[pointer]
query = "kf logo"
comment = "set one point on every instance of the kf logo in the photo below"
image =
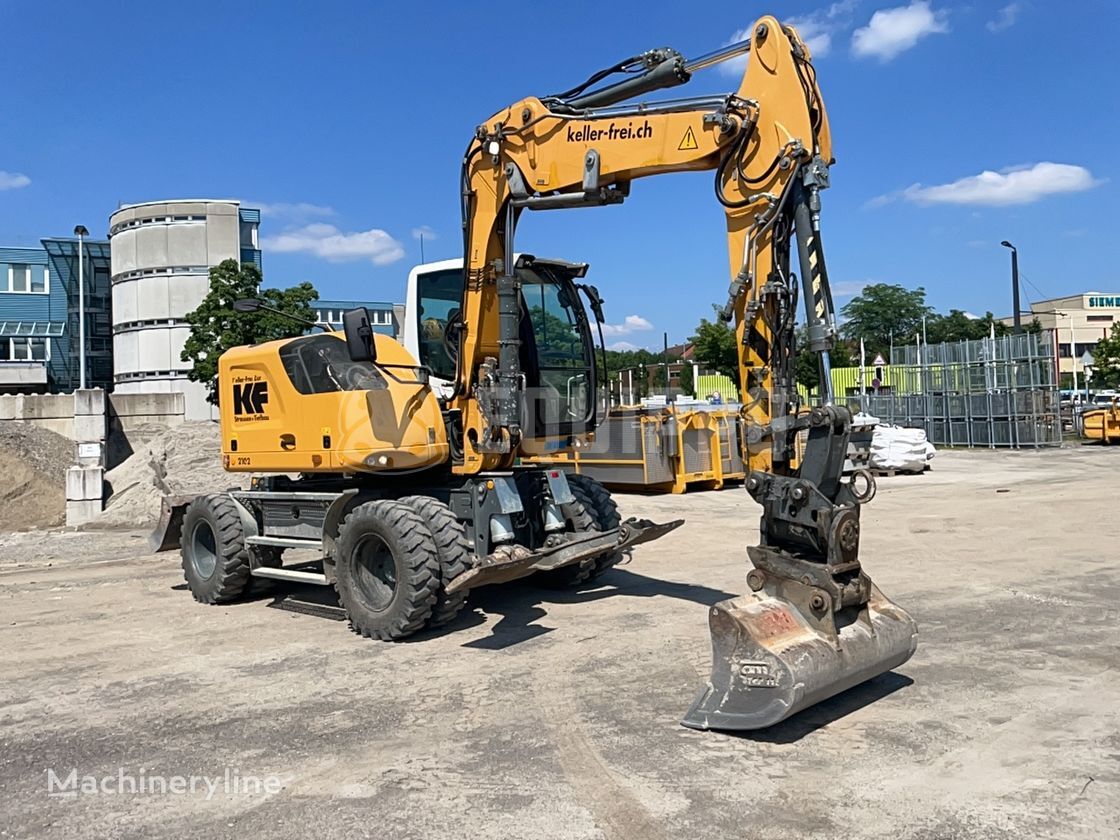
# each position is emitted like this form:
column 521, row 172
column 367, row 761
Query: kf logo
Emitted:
column 250, row 398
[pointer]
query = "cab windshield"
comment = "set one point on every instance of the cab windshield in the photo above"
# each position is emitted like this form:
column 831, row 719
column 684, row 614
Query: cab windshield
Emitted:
column 556, row 348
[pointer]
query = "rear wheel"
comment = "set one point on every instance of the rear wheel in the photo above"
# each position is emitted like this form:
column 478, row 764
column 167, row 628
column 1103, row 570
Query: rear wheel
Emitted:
column 215, row 562
column 387, row 570
column 592, row 510
column 453, row 549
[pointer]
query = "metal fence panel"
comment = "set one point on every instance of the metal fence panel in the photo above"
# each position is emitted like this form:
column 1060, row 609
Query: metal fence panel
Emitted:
column 989, row 392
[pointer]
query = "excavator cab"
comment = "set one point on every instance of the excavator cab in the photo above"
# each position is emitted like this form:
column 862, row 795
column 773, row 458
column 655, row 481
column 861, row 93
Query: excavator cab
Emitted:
column 556, row 351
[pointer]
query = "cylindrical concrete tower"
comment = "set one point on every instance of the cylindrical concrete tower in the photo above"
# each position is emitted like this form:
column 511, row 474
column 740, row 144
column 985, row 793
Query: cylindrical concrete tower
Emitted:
column 161, row 256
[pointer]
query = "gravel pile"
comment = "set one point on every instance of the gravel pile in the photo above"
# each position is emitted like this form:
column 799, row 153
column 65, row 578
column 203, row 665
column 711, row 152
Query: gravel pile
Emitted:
column 33, row 462
column 184, row 460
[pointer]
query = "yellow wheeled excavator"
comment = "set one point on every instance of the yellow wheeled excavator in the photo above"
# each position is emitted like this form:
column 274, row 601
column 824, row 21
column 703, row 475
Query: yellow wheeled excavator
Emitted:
column 411, row 483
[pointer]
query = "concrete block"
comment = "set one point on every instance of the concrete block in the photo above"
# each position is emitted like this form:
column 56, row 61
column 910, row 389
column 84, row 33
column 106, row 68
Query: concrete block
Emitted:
column 146, row 405
column 81, row 512
column 84, row 484
column 7, row 406
column 89, row 401
column 62, row 426
column 89, row 427
column 44, row 406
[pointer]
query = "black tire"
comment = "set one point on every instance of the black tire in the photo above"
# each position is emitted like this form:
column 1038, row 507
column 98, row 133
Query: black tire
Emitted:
column 592, row 510
column 386, row 570
column 453, row 549
column 215, row 561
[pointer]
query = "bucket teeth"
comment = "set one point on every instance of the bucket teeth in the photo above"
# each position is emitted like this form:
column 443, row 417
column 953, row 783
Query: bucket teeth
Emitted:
column 770, row 660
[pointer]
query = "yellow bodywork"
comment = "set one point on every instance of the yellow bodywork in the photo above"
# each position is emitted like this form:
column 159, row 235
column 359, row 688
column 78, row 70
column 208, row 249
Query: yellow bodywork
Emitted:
column 1102, row 424
column 270, row 425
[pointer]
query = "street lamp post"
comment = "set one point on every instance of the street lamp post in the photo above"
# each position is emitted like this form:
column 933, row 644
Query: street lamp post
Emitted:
column 81, row 232
column 1014, row 285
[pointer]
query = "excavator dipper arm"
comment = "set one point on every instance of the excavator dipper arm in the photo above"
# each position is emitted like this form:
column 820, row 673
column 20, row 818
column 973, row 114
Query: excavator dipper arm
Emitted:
column 813, row 623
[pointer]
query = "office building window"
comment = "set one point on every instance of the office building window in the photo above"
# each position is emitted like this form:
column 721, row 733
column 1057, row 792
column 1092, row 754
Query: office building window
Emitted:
column 19, row 278
column 25, row 279
column 28, row 349
column 382, row 318
column 1107, row 319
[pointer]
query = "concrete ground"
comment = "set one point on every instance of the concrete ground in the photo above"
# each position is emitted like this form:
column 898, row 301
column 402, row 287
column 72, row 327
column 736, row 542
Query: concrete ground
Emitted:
column 544, row 715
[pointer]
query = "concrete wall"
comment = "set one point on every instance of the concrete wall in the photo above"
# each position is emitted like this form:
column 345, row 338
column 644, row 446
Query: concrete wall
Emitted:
column 134, row 419
column 127, row 421
column 48, row 411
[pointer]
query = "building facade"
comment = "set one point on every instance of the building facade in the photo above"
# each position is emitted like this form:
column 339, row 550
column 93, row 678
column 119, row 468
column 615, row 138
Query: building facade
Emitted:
column 383, row 316
column 1079, row 322
column 162, row 253
column 39, row 309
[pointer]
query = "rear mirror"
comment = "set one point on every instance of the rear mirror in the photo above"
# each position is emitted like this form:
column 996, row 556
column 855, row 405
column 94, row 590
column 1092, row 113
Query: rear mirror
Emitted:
column 359, row 335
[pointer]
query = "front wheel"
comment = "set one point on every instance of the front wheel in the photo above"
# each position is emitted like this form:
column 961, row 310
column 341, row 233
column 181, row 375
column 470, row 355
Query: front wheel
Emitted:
column 387, row 570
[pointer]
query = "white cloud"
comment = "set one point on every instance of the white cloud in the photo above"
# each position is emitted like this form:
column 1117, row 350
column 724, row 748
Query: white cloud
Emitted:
column 330, row 243
column 13, row 180
column 630, row 324
column 848, row 288
column 622, row 346
column 425, row 232
column 1015, row 185
column 893, row 31
column 1005, row 18
column 291, row 212
column 816, row 29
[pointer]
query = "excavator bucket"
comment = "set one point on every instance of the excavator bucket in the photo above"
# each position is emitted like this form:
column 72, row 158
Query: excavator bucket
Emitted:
column 777, row 651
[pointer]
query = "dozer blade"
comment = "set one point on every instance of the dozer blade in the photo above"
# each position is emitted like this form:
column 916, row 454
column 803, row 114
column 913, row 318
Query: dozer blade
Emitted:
column 770, row 659
column 511, row 562
column 165, row 536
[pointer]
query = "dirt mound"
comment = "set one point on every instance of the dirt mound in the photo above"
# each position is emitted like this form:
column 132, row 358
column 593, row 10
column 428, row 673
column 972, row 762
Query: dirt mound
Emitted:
column 184, row 460
column 33, row 462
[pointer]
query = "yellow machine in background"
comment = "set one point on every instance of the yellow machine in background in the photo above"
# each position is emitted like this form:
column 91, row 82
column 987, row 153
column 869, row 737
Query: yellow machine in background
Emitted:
column 1102, row 424
column 668, row 449
column 415, row 483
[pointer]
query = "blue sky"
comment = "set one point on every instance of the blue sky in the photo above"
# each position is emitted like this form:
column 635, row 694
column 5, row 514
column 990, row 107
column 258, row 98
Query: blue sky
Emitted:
column 346, row 122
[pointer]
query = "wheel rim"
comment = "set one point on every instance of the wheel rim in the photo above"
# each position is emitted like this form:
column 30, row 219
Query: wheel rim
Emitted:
column 375, row 572
column 204, row 549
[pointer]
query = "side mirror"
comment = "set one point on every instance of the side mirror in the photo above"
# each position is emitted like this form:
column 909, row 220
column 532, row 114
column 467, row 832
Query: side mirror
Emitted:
column 359, row 335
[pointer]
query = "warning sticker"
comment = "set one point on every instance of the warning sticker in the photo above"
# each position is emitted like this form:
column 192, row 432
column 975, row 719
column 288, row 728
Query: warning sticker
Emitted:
column 688, row 142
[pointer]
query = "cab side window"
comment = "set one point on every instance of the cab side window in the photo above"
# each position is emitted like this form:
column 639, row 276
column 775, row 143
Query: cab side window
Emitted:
column 320, row 364
column 440, row 296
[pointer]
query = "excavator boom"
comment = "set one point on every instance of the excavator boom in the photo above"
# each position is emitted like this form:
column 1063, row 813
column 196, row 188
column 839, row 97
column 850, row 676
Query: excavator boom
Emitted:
column 812, row 623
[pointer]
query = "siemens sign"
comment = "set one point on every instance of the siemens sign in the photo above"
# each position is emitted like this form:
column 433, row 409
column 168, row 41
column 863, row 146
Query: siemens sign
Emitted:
column 1111, row 302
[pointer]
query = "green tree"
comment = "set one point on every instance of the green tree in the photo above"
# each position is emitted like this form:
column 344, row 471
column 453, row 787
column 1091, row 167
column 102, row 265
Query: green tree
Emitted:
column 1106, row 360
column 881, row 310
column 959, row 326
column 714, row 347
column 216, row 327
